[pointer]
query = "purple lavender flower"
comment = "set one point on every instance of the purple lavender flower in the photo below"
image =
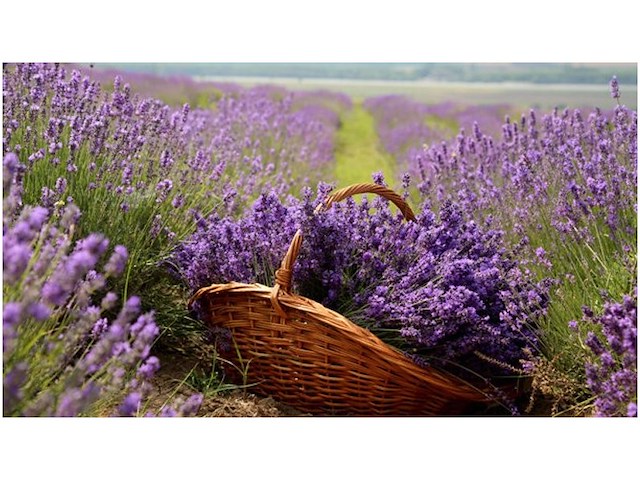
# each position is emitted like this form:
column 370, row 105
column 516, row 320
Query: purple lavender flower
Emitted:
column 191, row 405
column 145, row 332
column 99, row 328
column 12, row 386
column 612, row 374
column 131, row 405
column 88, row 355
column 131, row 308
column 162, row 189
column 177, row 201
column 15, row 261
column 65, row 278
column 109, row 301
column 70, row 216
column 168, row 411
column 149, row 368
column 156, row 226
column 117, row 262
column 39, row 311
column 10, row 168
column 75, row 401
column 61, row 185
column 11, row 314
column 541, row 254
column 615, row 88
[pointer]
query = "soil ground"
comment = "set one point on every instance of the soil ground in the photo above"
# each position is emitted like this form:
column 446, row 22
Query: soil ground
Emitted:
column 170, row 383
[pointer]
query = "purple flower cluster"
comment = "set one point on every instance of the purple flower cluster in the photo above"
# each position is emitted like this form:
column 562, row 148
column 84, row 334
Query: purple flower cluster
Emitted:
column 405, row 125
column 614, row 87
column 95, row 144
column 400, row 123
column 612, row 375
column 247, row 249
column 574, row 170
column 63, row 350
column 445, row 288
column 266, row 134
column 490, row 117
column 173, row 90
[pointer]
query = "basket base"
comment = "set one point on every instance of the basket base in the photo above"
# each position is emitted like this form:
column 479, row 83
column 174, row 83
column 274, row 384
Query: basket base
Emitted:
column 294, row 393
column 317, row 361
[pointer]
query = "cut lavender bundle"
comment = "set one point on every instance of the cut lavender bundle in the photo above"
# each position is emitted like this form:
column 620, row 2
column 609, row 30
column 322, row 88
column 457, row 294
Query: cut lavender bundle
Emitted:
column 441, row 289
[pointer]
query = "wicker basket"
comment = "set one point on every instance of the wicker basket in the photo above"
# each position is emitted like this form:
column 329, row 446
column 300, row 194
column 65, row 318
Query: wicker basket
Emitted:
column 317, row 361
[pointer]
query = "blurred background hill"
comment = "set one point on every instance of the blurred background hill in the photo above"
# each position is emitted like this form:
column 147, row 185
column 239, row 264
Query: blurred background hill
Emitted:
column 572, row 73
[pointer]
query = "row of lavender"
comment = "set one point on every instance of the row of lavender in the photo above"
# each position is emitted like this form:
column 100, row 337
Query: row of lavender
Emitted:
column 563, row 188
column 405, row 125
column 99, row 186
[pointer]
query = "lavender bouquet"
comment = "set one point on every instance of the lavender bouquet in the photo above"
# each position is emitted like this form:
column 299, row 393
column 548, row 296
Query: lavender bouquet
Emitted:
column 441, row 289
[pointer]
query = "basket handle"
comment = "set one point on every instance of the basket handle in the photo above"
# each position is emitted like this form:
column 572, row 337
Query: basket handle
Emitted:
column 284, row 273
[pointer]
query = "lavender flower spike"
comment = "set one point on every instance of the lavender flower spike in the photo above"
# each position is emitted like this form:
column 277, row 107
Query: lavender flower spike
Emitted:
column 116, row 264
column 614, row 87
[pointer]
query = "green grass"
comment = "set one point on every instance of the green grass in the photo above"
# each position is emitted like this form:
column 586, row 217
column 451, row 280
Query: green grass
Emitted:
column 448, row 127
column 358, row 151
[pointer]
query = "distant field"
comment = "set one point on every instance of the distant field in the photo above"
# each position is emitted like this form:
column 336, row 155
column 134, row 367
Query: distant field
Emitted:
column 543, row 96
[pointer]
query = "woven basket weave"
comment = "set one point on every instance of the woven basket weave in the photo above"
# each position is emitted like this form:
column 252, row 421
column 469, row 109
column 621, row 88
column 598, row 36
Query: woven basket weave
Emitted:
column 317, row 361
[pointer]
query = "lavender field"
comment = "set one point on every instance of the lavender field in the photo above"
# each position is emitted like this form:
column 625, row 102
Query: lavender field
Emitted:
column 124, row 193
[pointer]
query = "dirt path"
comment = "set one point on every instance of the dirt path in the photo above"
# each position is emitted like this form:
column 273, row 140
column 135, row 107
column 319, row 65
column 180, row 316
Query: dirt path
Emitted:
column 358, row 151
